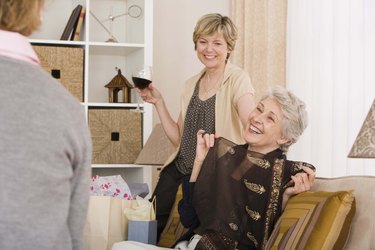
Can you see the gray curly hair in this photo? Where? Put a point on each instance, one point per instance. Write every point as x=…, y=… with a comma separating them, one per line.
x=294, y=111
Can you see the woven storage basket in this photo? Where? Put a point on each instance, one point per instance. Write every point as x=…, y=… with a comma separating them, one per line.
x=65, y=64
x=116, y=135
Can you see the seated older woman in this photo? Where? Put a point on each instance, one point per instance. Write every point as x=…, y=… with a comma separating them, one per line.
x=236, y=193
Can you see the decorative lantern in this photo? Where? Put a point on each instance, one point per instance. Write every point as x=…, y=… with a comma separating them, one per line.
x=117, y=84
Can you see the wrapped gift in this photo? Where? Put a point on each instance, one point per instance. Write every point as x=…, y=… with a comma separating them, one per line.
x=114, y=186
x=142, y=226
x=142, y=231
x=105, y=222
x=108, y=221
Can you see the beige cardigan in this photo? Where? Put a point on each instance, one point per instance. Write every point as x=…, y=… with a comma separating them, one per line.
x=235, y=84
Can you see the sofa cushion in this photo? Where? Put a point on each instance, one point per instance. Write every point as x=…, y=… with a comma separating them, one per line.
x=174, y=228
x=363, y=225
x=314, y=220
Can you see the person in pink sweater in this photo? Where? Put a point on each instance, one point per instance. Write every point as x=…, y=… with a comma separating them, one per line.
x=45, y=145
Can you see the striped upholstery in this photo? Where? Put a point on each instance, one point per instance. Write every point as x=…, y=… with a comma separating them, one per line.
x=174, y=229
x=314, y=220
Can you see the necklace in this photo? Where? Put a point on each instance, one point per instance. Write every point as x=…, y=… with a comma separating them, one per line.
x=214, y=87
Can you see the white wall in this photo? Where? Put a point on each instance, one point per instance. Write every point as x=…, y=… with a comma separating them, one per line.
x=174, y=56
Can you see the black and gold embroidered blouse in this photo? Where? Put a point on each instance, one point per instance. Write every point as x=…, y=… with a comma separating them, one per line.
x=238, y=192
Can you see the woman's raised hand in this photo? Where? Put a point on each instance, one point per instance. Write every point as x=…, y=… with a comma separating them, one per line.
x=150, y=94
x=302, y=182
x=204, y=142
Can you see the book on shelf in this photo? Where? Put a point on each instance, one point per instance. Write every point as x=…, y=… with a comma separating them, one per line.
x=78, y=27
x=72, y=22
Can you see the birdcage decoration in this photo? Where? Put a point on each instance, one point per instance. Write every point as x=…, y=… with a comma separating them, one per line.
x=118, y=84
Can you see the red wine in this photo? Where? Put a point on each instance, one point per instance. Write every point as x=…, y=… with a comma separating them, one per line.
x=141, y=83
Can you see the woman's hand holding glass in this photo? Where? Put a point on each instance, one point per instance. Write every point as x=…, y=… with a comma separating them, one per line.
x=150, y=94
x=142, y=78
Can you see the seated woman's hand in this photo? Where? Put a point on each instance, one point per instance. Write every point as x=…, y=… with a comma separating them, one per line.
x=302, y=182
x=204, y=142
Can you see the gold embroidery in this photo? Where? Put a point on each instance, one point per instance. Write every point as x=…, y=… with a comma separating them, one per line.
x=252, y=238
x=260, y=162
x=257, y=188
x=297, y=166
x=272, y=205
x=233, y=226
x=253, y=214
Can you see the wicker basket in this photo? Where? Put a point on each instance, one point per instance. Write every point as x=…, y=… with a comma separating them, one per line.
x=65, y=64
x=116, y=135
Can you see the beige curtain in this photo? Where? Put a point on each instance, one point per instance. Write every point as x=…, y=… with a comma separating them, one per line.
x=261, y=46
x=330, y=66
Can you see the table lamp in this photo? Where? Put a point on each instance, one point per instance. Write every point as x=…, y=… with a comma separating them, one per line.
x=364, y=144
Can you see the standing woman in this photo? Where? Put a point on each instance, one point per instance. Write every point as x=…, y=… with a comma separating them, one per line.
x=45, y=145
x=217, y=100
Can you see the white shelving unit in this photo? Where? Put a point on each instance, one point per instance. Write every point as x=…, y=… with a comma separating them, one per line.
x=134, y=47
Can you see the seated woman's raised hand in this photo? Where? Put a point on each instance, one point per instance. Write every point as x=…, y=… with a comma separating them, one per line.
x=204, y=142
x=302, y=182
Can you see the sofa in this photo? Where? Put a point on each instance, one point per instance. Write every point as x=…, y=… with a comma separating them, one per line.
x=362, y=229
x=361, y=223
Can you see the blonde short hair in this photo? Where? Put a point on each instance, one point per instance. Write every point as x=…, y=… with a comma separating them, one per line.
x=211, y=23
x=22, y=16
x=294, y=112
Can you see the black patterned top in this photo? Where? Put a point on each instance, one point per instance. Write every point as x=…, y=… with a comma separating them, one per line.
x=238, y=194
x=200, y=115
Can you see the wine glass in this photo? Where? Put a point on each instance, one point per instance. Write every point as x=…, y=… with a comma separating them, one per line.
x=142, y=77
